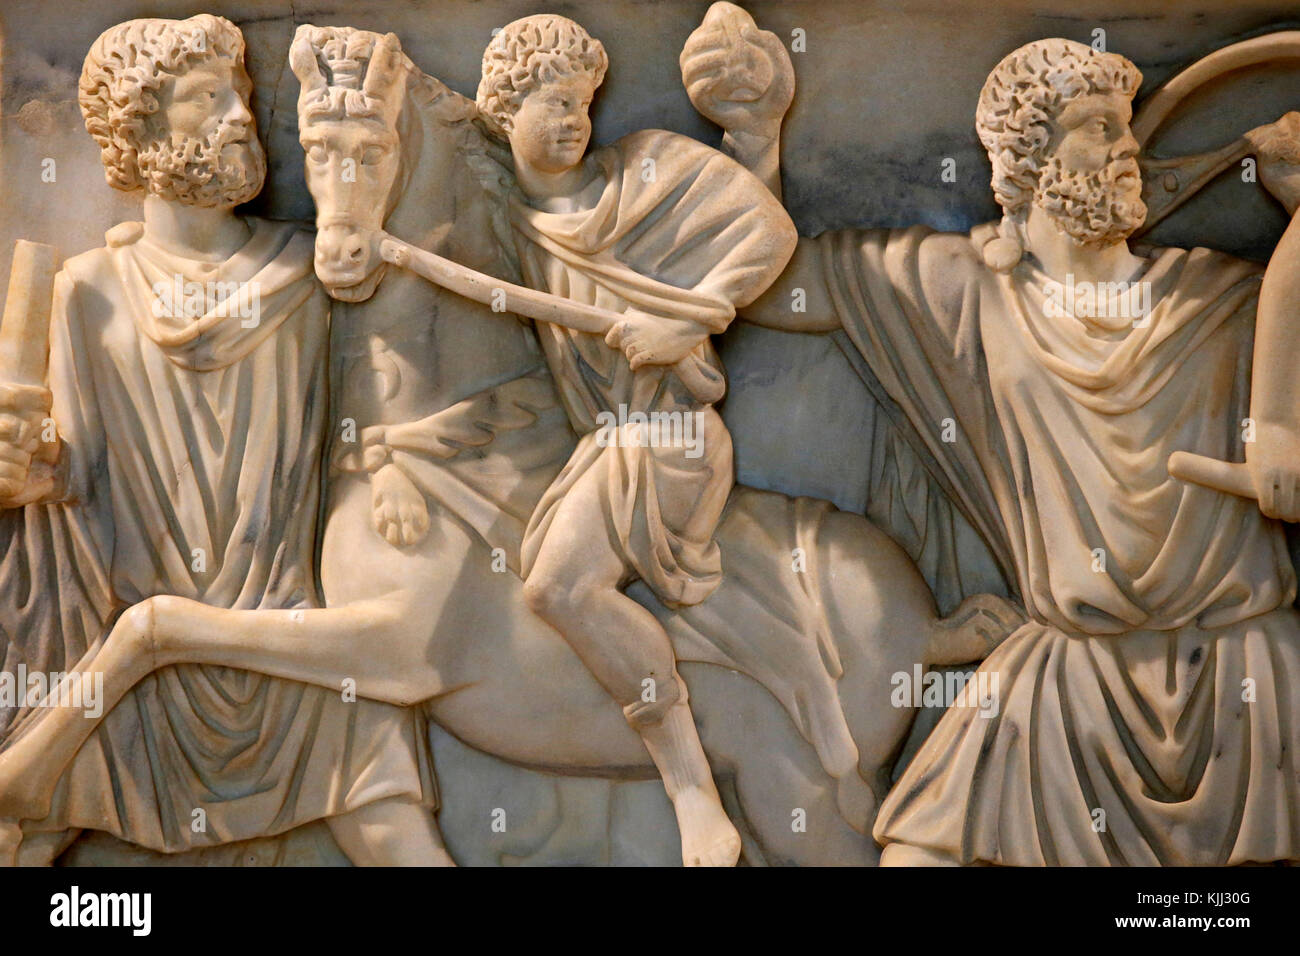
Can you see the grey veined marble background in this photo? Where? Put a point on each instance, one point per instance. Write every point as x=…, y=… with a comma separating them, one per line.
x=886, y=93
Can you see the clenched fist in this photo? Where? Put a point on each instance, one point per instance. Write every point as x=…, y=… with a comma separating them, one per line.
x=655, y=340
x=737, y=75
x=24, y=410
x=1277, y=147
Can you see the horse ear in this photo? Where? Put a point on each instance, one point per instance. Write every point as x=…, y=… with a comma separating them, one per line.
x=385, y=63
x=303, y=62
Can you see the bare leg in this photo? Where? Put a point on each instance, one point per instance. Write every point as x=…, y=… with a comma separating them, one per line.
x=318, y=646
x=573, y=586
x=398, y=831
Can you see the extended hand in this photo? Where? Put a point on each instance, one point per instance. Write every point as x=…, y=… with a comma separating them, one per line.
x=654, y=339
x=737, y=75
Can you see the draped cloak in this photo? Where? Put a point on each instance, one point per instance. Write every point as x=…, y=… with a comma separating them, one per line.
x=1150, y=690
x=678, y=229
x=192, y=446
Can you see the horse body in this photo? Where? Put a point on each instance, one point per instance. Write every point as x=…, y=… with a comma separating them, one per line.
x=499, y=678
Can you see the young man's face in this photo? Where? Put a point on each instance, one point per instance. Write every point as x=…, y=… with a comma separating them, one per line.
x=551, y=128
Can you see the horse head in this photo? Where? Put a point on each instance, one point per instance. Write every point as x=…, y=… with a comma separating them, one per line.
x=353, y=126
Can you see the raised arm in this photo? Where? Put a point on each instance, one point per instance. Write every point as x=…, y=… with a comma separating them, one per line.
x=741, y=78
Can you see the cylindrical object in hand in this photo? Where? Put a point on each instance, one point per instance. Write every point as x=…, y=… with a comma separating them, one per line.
x=25, y=329
x=1230, y=477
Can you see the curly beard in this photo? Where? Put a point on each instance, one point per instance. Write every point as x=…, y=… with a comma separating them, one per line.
x=224, y=169
x=1094, y=208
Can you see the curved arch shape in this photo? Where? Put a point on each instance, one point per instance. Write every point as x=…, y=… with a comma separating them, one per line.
x=1156, y=108
x=1169, y=183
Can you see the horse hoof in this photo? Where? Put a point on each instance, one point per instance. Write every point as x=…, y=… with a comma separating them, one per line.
x=856, y=802
x=11, y=838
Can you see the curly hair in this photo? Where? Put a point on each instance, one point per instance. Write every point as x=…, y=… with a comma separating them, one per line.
x=529, y=52
x=1022, y=97
x=124, y=72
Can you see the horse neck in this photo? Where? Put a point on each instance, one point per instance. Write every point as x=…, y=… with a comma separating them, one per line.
x=440, y=347
x=445, y=206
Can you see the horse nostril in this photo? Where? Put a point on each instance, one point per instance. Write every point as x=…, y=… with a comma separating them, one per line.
x=355, y=250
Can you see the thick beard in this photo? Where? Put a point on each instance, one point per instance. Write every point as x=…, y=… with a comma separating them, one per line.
x=1097, y=208
x=224, y=169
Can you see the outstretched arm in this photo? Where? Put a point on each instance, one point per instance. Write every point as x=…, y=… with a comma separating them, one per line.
x=798, y=300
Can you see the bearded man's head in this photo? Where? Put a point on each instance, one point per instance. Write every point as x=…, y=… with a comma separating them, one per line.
x=1054, y=116
x=134, y=76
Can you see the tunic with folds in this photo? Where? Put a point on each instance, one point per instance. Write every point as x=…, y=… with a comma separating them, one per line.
x=1145, y=709
x=679, y=230
x=193, y=442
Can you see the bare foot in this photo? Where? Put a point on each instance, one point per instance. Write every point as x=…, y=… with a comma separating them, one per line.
x=22, y=778
x=708, y=838
x=398, y=509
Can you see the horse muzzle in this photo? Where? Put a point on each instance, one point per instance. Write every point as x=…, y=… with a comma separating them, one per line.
x=348, y=261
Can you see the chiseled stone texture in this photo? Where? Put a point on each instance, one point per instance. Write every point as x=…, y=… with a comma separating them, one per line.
x=885, y=94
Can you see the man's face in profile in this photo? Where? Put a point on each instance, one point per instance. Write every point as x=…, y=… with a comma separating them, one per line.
x=1091, y=183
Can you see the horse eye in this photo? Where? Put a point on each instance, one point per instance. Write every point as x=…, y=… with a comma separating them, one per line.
x=372, y=155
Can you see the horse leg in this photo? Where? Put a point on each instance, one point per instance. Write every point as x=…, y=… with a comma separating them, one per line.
x=789, y=801
x=325, y=646
x=397, y=831
x=313, y=646
x=883, y=616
